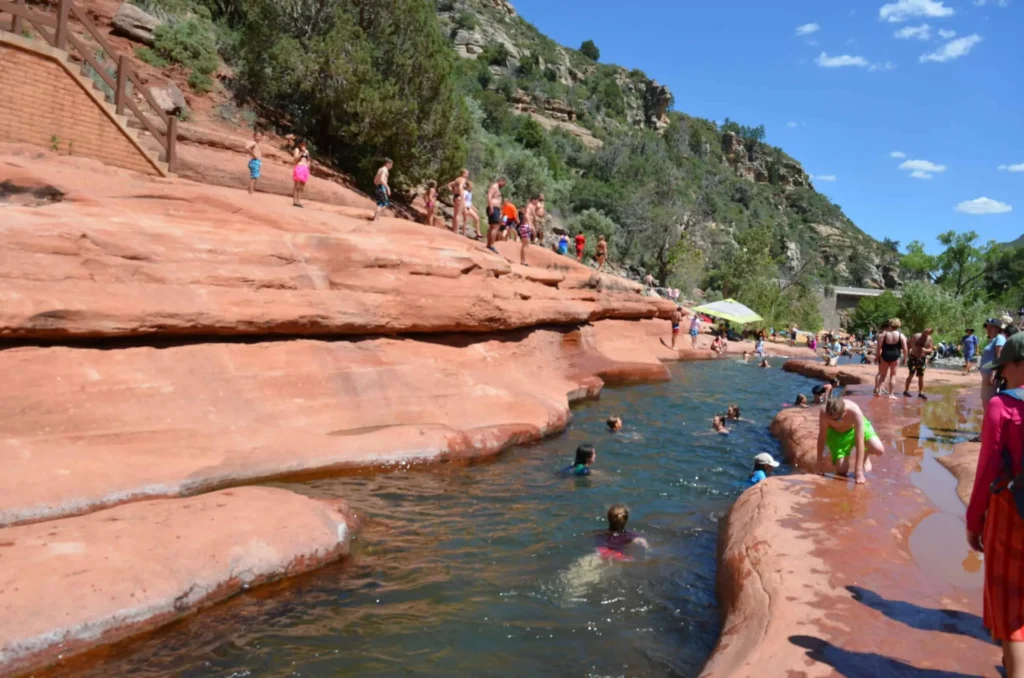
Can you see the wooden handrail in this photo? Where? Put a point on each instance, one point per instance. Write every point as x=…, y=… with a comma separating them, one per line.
x=60, y=36
x=22, y=11
x=90, y=58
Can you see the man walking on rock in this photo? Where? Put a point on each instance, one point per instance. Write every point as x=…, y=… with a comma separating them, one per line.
x=581, y=243
x=917, y=360
x=677, y=320
x=494, y=212
x=382, y=188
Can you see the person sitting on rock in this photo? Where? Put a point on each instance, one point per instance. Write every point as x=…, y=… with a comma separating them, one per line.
x=764, y=464
x=614, y=424
x=586, y=455
x=612, y=543
x=844, y=428
x=718, y=345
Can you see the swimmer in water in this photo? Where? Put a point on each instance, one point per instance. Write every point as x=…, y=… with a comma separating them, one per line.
x=611, y=543
x=764, y=464
x=764, y=365
x=801, y=400
x=586, y=455
x=614, y=424
x=718, y=425
x=821, y=392
x=733, y=414
x=746, y=356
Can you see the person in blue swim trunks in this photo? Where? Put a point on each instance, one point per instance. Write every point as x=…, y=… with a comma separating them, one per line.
x=255, y=159
x=586, y=455
x=382, y=188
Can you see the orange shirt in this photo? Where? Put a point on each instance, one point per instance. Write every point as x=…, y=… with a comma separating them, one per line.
x=510, y=212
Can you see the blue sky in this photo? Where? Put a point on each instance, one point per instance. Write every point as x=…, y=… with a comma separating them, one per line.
x=841, y=85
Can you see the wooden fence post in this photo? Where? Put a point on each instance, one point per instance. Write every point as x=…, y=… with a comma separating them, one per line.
x=123, y=64
x=16, y=20
x=61, y=36
x=172, y=143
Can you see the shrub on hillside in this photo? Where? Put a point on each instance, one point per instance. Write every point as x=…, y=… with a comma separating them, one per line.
x=364, y=80
x=191, y=43
x=590, y=50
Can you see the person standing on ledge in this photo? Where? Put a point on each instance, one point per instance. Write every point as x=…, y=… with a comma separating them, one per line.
x=917, y=360
x=602, y=253
x=494, y=212
x=581, y=243
x=694, y=329
x=892, y=346
x=458, y=188
x=526, y=229
x=677, y=321
x=300, y=173
x=991, y=352
x=844, y=428
x=255, y=159
x=382, y=188
x=994, y=522
x=970, y=347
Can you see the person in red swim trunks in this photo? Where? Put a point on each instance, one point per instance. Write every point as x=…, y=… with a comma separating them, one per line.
x=611, y=543
x=581, y=243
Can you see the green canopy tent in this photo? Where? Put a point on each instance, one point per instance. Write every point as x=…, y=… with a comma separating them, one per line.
x=731, y=310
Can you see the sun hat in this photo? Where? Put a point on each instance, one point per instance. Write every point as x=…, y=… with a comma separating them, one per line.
x=1013, y=351
x=992, y=322
x=765, y=458
x=1007, y=320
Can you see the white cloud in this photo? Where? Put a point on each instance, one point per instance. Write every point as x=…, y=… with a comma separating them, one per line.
x=1001, y=3
x=791, y=124
x=922, y=32
x=954, y=49
x=901, y=10
x=825, y=61
x=887, y=66
x=897, y=154
x=920, y=174
x=946, y=35
x=824, y=177
x=1019, y=167
x=983, y=206
x=807, y=29
x=923, y=166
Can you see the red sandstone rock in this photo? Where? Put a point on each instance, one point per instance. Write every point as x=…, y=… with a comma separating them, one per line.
x=817, y=577
x=81, y=429
x=70, y=584
x=865, y=374
x=963, y=464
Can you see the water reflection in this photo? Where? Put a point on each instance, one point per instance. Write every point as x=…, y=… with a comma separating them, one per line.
x=487, y=570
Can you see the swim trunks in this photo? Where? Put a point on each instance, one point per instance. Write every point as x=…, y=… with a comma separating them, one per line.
x=525, y=231
x=693, y=333
x=675, y=328
x=254, y=168
x=840, y=444
x=382, y=196
x=493, y=215
x=917, y=366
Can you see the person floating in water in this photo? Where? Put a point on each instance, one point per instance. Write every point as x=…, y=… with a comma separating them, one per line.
x=764, y=464
x=801, y=400
x=611, y=543
x=845, y=429
x=732, y=413
x=614, y=424
x=746, y=357
x=586, y=455
x=764, y=365
x=718, y=425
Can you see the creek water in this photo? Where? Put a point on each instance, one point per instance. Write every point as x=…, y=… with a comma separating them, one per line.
x=488, y=569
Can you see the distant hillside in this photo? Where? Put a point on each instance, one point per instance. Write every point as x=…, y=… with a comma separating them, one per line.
x=727, y=178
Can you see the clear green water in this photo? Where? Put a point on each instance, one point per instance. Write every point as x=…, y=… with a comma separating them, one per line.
x=484, y=570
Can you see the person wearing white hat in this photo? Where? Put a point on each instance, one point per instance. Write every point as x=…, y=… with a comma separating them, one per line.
x=764, y=464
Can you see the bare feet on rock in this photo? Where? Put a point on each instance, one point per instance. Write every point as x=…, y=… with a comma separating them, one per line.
x=861, y=480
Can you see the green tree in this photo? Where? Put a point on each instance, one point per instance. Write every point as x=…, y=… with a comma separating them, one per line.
x=362, y=79
x=590, y=50
x=917, y=264
x=962, y=264
x=595, y=223
x=871, y=312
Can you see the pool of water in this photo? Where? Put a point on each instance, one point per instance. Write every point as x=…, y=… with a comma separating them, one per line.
x=487, y=570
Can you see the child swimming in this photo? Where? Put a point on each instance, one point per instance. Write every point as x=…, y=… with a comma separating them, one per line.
x=718, y=424
x=801, y=400
x=614, y=423
x=586, y=455
x=611, y=543
x=764, y=365
x=821, y=392
x=764, y=464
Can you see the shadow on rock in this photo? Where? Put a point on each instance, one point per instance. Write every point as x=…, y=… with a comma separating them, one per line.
x=865, y=664
x=923, y=618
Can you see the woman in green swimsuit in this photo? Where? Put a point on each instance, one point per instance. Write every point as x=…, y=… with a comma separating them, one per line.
x=845, y=429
